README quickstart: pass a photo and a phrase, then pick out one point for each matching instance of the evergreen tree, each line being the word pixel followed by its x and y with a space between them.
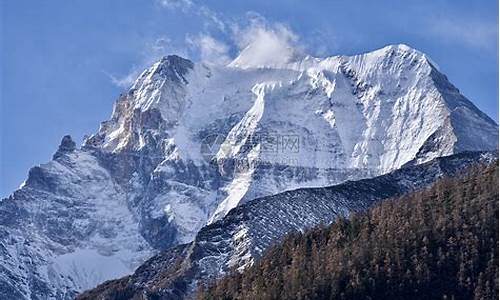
pixel 440 243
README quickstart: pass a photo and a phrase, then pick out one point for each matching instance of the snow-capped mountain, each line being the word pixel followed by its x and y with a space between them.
pixel 188 142
pixel 235 241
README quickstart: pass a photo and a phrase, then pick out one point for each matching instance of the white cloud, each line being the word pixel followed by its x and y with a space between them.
pixel 176 4
pixel 263 44
pixel 259 42
pixel 210 49
pixel 209 17
pixel 124 81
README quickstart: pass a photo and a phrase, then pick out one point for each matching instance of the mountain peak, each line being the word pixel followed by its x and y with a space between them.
pixel 189 143
pixel 389 51
pixel 163 77
pixel 405 51
pixel 176 61
pixel 172 67
pixel 67 145
pixel 400 47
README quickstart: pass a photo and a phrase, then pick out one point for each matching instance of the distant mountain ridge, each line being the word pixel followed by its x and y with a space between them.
pixel 188 142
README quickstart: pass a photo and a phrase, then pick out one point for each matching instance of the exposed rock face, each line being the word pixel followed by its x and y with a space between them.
pixel 245 232
pixel 189 142
pixel 67 145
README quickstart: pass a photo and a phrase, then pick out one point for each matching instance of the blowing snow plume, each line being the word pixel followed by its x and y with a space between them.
pixel 265 45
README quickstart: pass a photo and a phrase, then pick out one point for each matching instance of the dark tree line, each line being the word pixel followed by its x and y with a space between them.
pixel 441 243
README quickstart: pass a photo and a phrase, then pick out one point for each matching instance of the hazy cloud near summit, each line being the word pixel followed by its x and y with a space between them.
pixel 151 52
pixel 249 41
pixel 256 41
pixel 264 44
pixel 210 49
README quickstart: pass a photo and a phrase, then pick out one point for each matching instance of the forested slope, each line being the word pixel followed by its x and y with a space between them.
pixel 441 243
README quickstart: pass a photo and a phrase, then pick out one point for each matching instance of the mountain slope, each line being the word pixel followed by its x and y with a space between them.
pixel 247 231
pixel 215 137
pixel 441 243
pixel 68 227
pixel 189 142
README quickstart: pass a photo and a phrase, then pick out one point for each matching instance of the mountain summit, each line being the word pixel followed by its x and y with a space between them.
pixel 188 142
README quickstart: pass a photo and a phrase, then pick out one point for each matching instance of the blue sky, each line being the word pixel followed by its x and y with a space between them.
pixel 63 63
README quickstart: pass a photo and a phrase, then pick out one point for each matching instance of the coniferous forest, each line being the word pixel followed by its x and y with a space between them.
pixel 441 243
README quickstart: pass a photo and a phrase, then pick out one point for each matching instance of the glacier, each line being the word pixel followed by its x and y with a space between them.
pixel 189 142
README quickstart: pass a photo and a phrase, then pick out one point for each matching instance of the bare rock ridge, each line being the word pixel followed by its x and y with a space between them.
pixel 189 142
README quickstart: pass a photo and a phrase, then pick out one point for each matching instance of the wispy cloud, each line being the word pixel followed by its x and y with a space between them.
pixel 210 49
pixel 210 17
pixel 471 33
pixel 262 43
pixel 162 46
pixel 257 41
pixel 152 51
pixel 176 4
pixel 124 81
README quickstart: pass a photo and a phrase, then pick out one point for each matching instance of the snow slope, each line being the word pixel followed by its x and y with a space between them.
pixel 189 142
pixel 246 232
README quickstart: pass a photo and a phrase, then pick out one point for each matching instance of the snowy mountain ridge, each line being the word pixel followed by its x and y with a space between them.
pixel 245 233
pixel 188 142
pixel 370 113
